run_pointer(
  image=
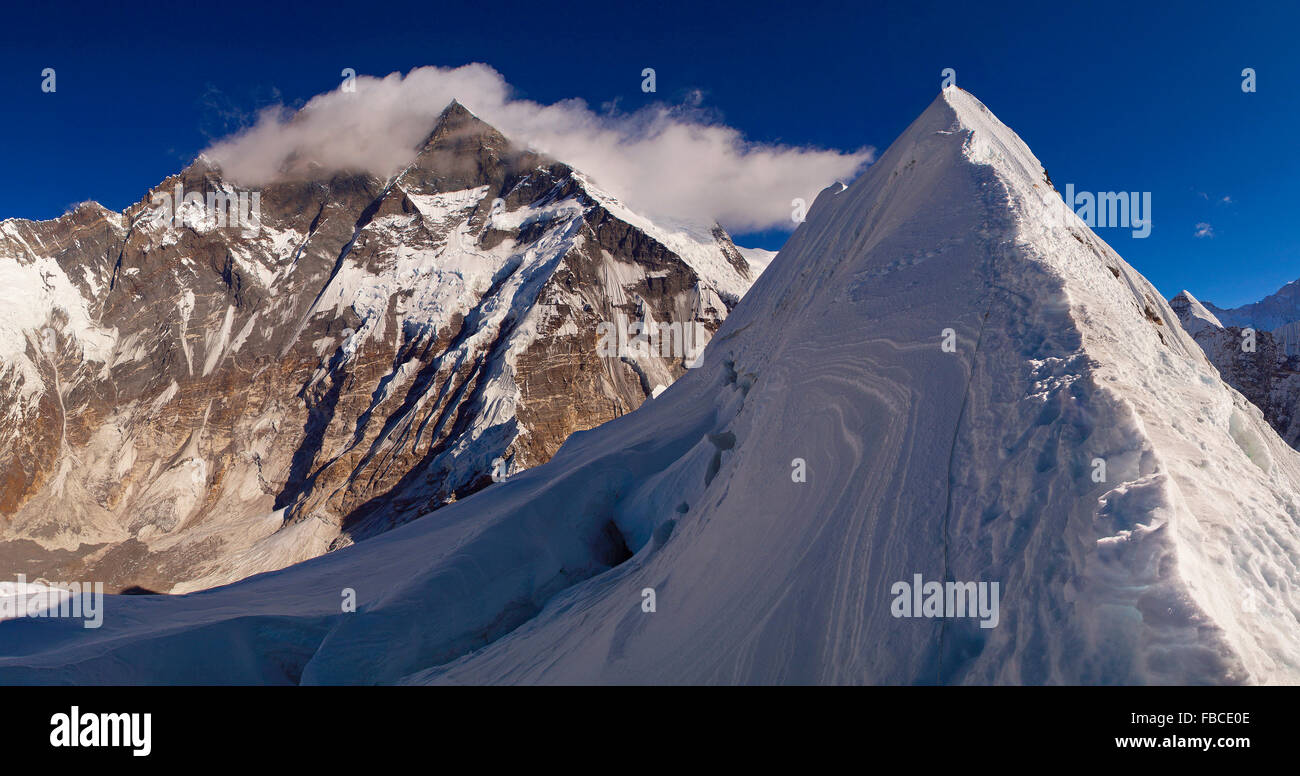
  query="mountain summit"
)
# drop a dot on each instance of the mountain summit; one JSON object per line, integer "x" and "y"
{"x": 937, "y": 382}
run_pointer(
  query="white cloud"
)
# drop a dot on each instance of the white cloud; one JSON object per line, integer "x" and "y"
{"x": 1204, "y": 230}
{"x": 665, "y": 161}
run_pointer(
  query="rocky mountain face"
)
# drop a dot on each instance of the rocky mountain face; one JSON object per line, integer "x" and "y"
{"x": 1262, "y": 364}
{"x": 186, "y": 400}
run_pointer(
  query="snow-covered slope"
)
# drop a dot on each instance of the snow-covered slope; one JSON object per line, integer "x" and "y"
{"x": 1173, "y": 560}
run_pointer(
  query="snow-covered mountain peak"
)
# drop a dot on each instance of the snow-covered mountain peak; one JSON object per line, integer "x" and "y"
{"x": 1193, "y": 315}
{"x": 456, "y": 120}
{"x": 936, "y": 378}
{"x": 349, "y": 353}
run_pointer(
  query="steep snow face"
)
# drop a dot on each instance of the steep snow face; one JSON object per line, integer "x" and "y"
{"x": 38, "y": 296}
{"x": 932, "y": 378}
{"x": 708, "y": 251}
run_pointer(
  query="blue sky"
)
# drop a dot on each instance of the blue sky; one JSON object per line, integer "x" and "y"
{"x": 1111, "y": 96}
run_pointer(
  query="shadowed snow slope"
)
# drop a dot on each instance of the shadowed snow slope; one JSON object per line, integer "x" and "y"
{"x": 1073, "y": 446}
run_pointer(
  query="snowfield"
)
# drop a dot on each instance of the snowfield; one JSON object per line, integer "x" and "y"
{"x": 1073, "y": 446}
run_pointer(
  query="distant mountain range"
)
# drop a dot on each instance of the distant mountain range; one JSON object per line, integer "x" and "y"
{"x": 201, "y": 388}
{"x": 1256, "y": 349}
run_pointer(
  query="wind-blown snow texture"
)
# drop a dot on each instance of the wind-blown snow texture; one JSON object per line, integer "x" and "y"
{"x": 974, "y": 465}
